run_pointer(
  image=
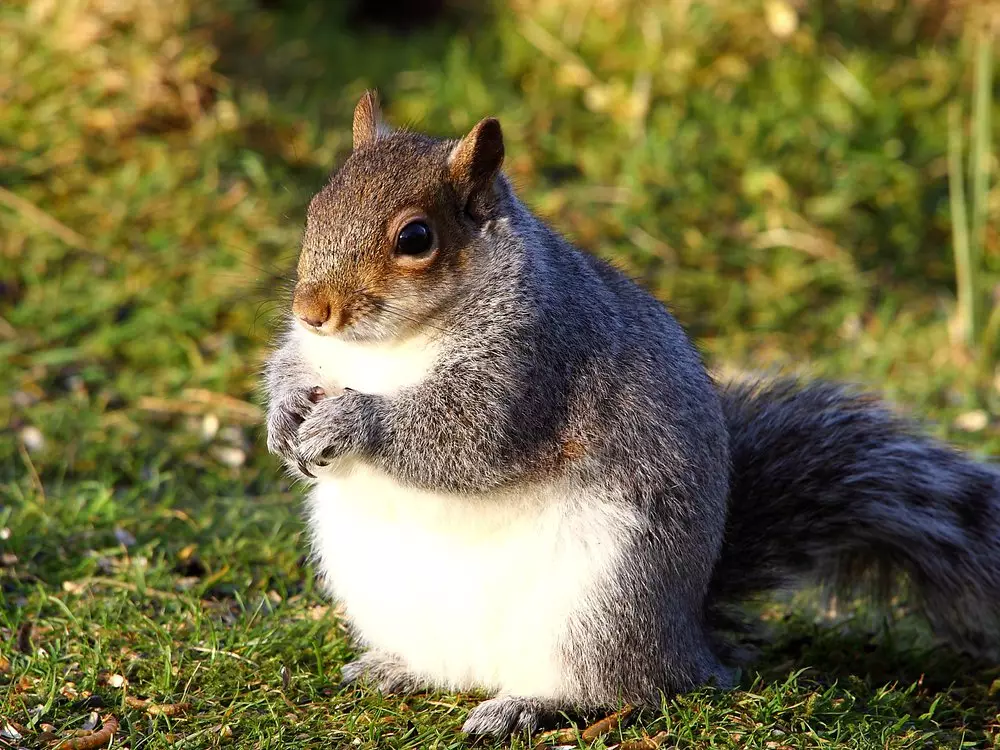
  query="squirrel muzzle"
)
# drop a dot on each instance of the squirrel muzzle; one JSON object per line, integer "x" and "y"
{"x": 322, "y": 308}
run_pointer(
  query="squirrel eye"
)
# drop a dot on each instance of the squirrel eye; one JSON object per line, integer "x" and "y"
{"x": 414, "y": 239}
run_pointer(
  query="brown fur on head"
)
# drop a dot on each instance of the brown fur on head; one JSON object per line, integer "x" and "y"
{"x": 354, "y": 281}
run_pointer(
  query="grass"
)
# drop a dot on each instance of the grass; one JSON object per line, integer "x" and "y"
{"x": 781, "y": 179}
{"x": 968, "y": 238}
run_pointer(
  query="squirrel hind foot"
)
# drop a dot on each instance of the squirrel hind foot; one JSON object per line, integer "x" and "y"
{"x": 384, "y": 672}
{"x": 505, "y": 716}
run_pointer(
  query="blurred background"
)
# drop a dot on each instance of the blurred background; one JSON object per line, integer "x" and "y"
{"x": 810, "y": 185}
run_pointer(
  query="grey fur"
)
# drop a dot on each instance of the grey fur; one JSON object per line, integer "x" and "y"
{"x": 555, "y": 365}
{"x": 386, "y": 673}
{"x": 830, "y": 485}
{"x": 506, "y": 715}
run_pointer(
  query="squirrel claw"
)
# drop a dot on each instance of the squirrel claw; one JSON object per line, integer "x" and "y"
{"x": 304, "y": 468}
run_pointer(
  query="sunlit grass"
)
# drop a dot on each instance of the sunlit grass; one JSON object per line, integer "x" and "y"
{"x": 781, "y": 173}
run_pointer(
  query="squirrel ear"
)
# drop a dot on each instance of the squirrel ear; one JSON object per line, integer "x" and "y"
{"x": 367, "y": 119}
{"x": 475, "y": 162}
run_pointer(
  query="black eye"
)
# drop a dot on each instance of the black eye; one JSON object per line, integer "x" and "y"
{"x": 415, "y": 238}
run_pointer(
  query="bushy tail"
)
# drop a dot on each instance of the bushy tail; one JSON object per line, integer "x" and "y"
{"x": 830, "y": 484}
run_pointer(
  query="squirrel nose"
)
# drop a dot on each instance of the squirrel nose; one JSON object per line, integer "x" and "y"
{"x": 315, "y": 316}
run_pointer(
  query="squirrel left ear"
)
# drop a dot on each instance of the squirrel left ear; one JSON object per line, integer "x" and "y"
{"x": 367, "y": 119}
{"x": 475, "y": 162}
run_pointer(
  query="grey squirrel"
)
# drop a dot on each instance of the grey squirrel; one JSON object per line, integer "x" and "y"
{"x": 523, "y": 480}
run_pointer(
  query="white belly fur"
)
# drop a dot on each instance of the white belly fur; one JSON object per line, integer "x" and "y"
{"x": 471, "y": 592}
{"x": 368, "y": 368}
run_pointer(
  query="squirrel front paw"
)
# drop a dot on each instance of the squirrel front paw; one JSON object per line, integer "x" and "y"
{"x": 338, "y": 426}
{"x": 284, "y": 417}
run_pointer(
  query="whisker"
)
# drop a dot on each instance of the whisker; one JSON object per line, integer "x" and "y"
{"x": 385, "y": 307}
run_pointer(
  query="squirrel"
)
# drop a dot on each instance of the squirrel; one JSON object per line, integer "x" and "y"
{"x": 523, "y": 481}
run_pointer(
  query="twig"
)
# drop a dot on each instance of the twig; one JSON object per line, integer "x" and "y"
{"x": 34, "y": 214}
{"x": 652, "y": 244}
{"x": 810, "y": 244}
{"x": 199, "y": 403}
{"x": 215, "y": 651}
{"x": 35, "y": 478}
{"x": 114, "y": 583}
{"x": 101, "y": 738}
{"x": 555, "y": 50}
{"x": 7, "y": 331}
{"x": 194, "y": 735}
{"x": 224, "y": 402}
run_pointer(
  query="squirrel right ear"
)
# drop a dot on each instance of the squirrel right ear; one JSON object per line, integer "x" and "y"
{"x": 367, "y": 119}
{"x": 475, "y": 162}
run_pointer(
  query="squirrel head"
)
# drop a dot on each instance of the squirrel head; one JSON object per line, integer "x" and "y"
{"x": 391, "y": 240}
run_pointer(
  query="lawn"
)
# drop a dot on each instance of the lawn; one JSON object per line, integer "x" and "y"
{"x": 777, "y": 171}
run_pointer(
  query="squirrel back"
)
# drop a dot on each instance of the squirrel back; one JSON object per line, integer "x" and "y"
{"x": 522, "y": 478}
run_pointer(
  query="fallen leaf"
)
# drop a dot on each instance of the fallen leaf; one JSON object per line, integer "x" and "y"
{"x": 93, "y": 740}
{"x": 157, "y": 709}
{"x": 10, "y": 732}
{"x": 606, "y": 725}
{"x": 24, "y": 638}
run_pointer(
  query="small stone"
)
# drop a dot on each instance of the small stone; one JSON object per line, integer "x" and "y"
{"x": 23, "y": 399}
{"x": 209, "y": 426}
{"x": 125, "y": 538}
{"x": 33, "y": 439}
{"x": 972, "y": 421}
{"x": 229, "y": 456}
{"x": 117, "y": 681}
{"x": 10, "y": 733}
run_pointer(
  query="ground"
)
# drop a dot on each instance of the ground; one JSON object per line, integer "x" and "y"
{"x": 777, "y": 171}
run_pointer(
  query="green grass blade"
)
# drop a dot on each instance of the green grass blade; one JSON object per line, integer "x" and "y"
{"x": 960, "y": 227}
{"x": 979, "y": 157}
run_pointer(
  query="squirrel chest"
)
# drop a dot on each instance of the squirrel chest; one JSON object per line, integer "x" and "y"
{"x": 470, "y": 592}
